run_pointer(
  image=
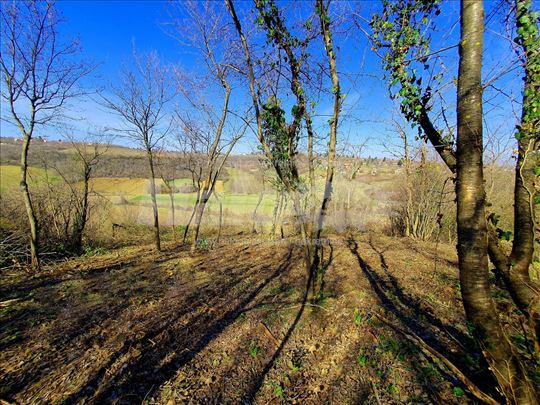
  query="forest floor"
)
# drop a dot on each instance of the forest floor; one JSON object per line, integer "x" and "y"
{"x": 229, "y": 325}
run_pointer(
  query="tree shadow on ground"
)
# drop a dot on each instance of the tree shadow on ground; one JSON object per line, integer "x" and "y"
{"x": 46, "y": 289}
{"x": 256, "y": 384}
{"x": 432, "y": 254}
{"x": 86, "y": 316}
{"x": 73, "y": 312}
{"x": 408, "y": 310}
{"x": 411, "y": 303}
{"x": 186, "y": 328}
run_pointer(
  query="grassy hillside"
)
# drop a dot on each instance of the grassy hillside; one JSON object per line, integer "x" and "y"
{"x": 117, "y": 162}
{"x": 10, "y": 177}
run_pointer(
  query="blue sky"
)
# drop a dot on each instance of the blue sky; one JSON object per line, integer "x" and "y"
{"x": 109, "y": 29}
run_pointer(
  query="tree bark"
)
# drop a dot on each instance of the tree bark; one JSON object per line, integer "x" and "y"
{"x": 254, "y": 217}
{"x": 171, "y": 197}
{"x": 186, "y": 231}
{"x": 327, "y": 37}
{"x": 82, "y": 215}
{"x": 408, "y": 184}
{"x": 277, "y": 209}
{"x": 199, "y": 211}
{"x": 30, "y": 212}
{"x": 524, "y": 289}
{"x": 220, "y": 217}
{"x": 157, "y": 239}
{"x": 471, "y": 220}
{"x": 443, "y": 148}
{"x": 311, "y": 166}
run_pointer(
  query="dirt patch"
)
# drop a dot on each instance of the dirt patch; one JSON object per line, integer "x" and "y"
{"x": 228, "y": 326}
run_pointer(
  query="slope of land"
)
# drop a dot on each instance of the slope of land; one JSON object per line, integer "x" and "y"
{"x": 245, "y": 188}
{"x": 228, "y": 326}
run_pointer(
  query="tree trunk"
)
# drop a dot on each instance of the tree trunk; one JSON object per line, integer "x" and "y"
{"x": 471, "y": 222}
{"x": 302, "y": 226}
{"x": 82, "y": 216}
{"x": 254, "y": 217}
{"x": 524, "y": 288}
{"x": 275, "y": 213}
{"x": 30, "y": 212}
{"x": 348, "y": 207}
{"x": 327, "y": 37}
{"x": 199, "y": 211}
{"x": 192, "y": 215}
{"x": 220, "y": 217}
{"x": 311, "y": 168}
{"x": 283, "y": 208}
{"x": 408, "y": 185}
{"x": 171, "y": 197}
{"x": 157, "y": 239}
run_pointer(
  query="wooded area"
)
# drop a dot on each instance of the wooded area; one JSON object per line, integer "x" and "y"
{"x": 147, "y": 260}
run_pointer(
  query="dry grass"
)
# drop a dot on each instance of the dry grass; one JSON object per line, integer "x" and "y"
{"x": 228, "y": 326}
{"x": 118, "y": 186}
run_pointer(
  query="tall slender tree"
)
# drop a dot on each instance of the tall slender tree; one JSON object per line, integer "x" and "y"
{"x": 141, "y": 101}
{"x": 526, "y": 198}
{"x": 40, "y": 77}
{"x": 471, "y": 219}
{"x": 324, "y": 19}
{"x": 400, "y": 33}
{"x": 206, "y": 31}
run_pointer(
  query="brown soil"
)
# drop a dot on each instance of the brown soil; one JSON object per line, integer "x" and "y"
{"x": 228, "y": 326}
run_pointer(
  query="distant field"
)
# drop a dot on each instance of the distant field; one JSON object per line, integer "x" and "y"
{"x": 109, "y": 186}
{"x": 239, "y": 194}
{"x": 118, "y": 186}
{"x": 235, "y": 203}
{"x": 10, "y": 177}
{"x": 136, "y": 191}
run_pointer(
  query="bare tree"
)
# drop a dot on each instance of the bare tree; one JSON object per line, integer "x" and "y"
{"x": 422, "y": 198}
{"x": 324, "y": 19}
{"x": 88, "y": 153}
{"x": 405, "y": 158}
{"x": 140, "y": 100}
{"x": 191, "y": 148}
{"x": 40, "y": 77}
{"x": 205, "y": 154}
{"x": 74, "y": 209}
{"x": 351, "y": 157}
{"x": 168, "y": 178}
{"x": 349, "y": 161}
{"x": 206, "y": 31}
